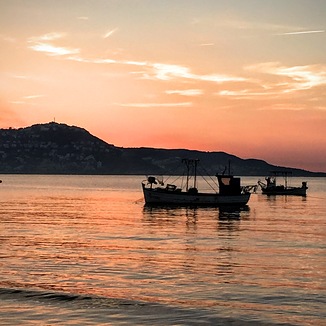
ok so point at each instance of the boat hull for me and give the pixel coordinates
(286, 191)
(156, 197)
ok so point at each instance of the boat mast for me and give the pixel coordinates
(195, 173)
(286, 179)
(191, 164)
(283, 174)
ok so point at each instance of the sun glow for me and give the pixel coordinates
(212, 77)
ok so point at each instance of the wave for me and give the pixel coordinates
(45, 296)
(122, 312)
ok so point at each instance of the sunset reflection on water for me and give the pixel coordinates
(94, 237)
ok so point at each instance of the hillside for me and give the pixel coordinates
(55, 148)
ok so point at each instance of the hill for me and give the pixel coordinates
(54, 148)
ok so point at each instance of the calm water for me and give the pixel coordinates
(83, 250)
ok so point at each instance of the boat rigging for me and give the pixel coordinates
(230, 192)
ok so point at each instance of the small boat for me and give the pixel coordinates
(271, 188)
(230, 191)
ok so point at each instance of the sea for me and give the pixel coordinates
(85, 250)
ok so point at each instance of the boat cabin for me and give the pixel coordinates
(229, 185)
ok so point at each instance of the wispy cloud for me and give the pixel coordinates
(42, 44)
(46, 37)
(278, 81)
(17, 102)
(244, 93)
(186, 92)
(134, 63)
(95, 61)
(167, 72)
(303, 32)
(276, 29)
(106, 61)
(282, 107)
(151, 71)
(162, 71)
(33, 96)
(20, 77)
(83, 18)
(299, 77)
(53, 50)
(289, 79)
(153, 105)
(110, 32)
(207, 44)
(154, 71)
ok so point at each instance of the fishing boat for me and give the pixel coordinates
(230, 193)
(271, 187)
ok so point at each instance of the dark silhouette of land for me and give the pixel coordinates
(54, 148)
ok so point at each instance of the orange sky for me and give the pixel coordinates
(247, 77)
